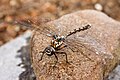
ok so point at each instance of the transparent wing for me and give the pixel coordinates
(77, 46)
(38, 25)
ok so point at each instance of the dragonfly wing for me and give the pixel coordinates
(78, 46)
(37, 25)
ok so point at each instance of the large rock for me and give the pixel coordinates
(92, 54)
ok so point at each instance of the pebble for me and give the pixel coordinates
(2, 28)
(8, 19)
(17, 28)
(11, 31)
(49, 7)
(98, 7)
(14, 3)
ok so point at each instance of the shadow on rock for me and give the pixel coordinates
(28, 74)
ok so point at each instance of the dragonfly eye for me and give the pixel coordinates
(48, 51)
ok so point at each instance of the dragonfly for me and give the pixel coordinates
(57, 42)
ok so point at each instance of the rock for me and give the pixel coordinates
(98, 7)
(92, 54)
(4, 37)
(8, 18)
(2, 28)
(11, 30)
(48, 7)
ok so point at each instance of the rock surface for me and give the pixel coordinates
(92, 53)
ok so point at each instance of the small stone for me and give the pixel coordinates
(48, 7)
(15, 3)
(8, 19)
(17, 28)
(11, 31)
(34, 13)
(98, 7)
(2, 28)
(5, 37)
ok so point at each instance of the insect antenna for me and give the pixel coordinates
(80, 29)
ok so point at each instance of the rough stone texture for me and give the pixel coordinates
(92, 53)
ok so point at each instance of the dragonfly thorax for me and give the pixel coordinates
(57, 41)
